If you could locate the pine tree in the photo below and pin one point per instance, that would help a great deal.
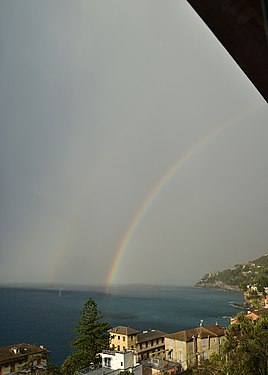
(92, 338)
(52, 369)
(245, 350)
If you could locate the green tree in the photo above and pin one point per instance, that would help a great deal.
(32, 361)
(71, 364)
(245, 350)
(52, 369)
(92, 338)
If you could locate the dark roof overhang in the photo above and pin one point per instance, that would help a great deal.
(242, 28)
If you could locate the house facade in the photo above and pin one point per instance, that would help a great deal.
(14, 357)
(123, 338)
(151, 344)
(190, 347)
(146, 344)
(119, 360)
(114, 362)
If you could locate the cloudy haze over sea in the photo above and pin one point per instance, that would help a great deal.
(132, 147)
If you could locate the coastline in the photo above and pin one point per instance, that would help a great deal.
(218, 285)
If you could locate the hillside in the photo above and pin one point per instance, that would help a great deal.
(237, 278)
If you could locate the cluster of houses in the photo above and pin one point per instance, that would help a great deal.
(14, 358)
(141, 353)
(184, 347)
(254, 298)
(131, 351)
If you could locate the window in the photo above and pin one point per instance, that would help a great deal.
(124, 339)
(107, 362)
(204, 342)
(118, 337)
(121, 364)
(118, 348)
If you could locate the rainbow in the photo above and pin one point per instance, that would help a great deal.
(160, 185)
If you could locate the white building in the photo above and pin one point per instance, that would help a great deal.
(114, 362)
(118, 360)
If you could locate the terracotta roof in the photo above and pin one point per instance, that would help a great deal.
(122, 330)
(19, 352)
(150, 335)
(213, 330)
(261, 312)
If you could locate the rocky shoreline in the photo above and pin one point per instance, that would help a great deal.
(217, 285)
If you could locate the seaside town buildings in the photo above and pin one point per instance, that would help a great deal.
(185, 348)
(123, 338)
(255, 298)
(146, 344)
(257, 313)
(191, 346)
(114, 362)
(14, 357)
(155, 352)
(254, 315)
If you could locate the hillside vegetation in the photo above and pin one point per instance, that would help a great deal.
(254, 272)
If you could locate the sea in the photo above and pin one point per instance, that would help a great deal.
(47, 315)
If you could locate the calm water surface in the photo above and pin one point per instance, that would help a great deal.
(48, 316)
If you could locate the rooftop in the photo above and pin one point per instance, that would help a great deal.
(19, 352)
(159, 364)
(122, 330)
(261, 312)
(150, 335)
(187, 335)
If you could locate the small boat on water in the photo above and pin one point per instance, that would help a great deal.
(238, 306)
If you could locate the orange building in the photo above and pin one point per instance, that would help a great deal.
(146, 344)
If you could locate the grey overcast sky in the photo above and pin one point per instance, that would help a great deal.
(98, 99)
